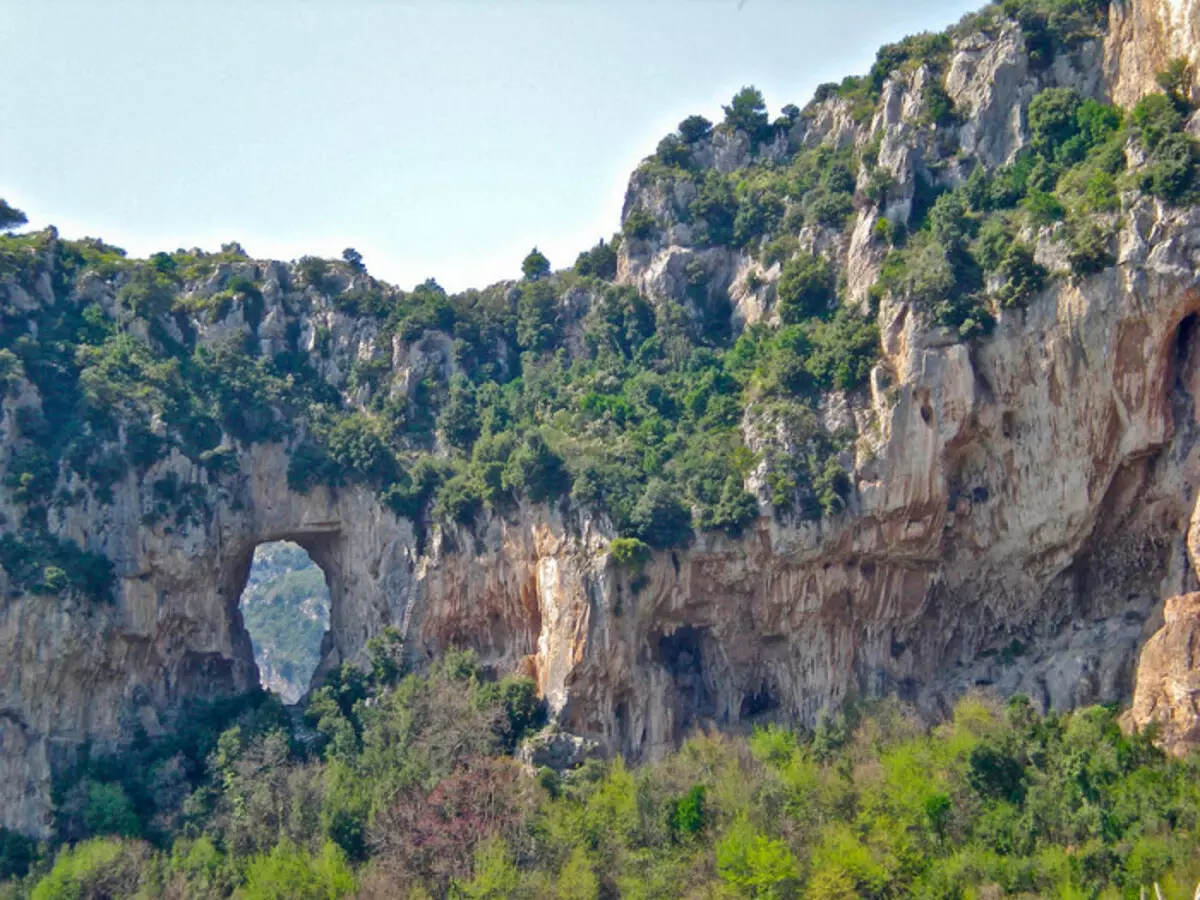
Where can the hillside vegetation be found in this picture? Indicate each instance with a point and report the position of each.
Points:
(408, 790)
(665, 418)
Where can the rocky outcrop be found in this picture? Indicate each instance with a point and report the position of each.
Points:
(1019, 510)
(1167, 695)
(1144, 36)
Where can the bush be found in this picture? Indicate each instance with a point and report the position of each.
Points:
(1171, 173)
(660, 517)
(829, 209)
(754, 863)
(806, 288)
(459, 419)
(673, 152)
(1089, 248)
(1023, 277)
(17, 854)
(687, 813)
(1176, 81)
(639, 224)
(714, 209)
(109, 811)
(630, 552)
(600, 261)
(1153, 118)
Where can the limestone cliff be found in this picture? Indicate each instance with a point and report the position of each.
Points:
(1019, 507)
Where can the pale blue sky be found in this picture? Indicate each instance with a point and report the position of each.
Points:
(441, 139)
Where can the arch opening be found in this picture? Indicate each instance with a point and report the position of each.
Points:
(285, 609)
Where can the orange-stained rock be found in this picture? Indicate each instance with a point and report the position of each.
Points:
(1168, 679)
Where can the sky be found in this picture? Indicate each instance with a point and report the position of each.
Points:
(441, 139)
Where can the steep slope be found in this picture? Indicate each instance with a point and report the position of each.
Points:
(924, 444)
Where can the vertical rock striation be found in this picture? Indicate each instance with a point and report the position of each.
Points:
(1019, 510)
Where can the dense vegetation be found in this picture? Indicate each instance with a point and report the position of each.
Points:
(569, 389)
(566, 387)
(406, 789)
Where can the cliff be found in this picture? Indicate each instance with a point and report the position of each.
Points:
(1017, 500)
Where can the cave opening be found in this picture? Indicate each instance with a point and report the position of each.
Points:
(285, 609)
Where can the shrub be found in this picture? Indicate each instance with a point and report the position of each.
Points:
(627, 551)
(1176, 81)
(714, 209)
(1089, 248)
(1153, 118)
(639, 224)
(600, 261)
(754, 863)
(1052, 121)
(1023, 277)
(688, 813)
(1171, 172)
(459, 419)
(17, 854)
(458, 500)
(672, 151)
(806, 288)
(1043, 208)
(829, 209)
(843, 350)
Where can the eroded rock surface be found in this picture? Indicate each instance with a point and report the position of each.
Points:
(1018, 512)
(1168, 679)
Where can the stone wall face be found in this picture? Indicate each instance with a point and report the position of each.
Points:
(1022, 506)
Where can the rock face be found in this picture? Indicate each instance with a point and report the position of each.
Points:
(1021, 504)
(1168, 679)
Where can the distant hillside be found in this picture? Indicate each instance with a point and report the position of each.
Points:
(286, 610)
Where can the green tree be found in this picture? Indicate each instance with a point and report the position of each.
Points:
(10, 217)
(660, 517)
(600, 261)
(537, 315)
(353, 259)
(459, 419)
(695, 128)
(290, 873)
(747, 112)
(536, 471)
(577, 880)
(535, 265)
(100, 868)
(754, 863)
(496, 876)
(109, 811)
